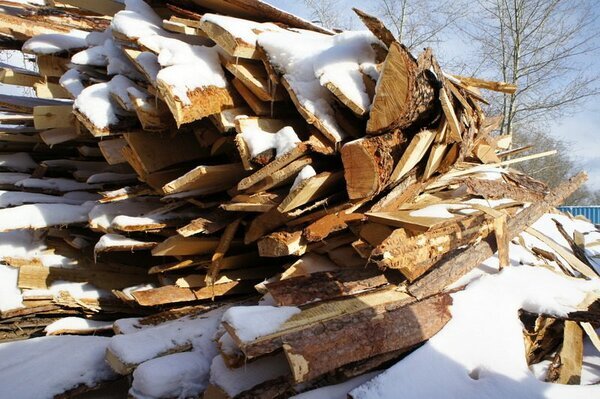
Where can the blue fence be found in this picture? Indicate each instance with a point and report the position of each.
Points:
(590, 212)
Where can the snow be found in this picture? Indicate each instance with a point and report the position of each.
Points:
(259, 141)
(10, 295)
(185, 67)
(14, 198)
(56, 184)
(71, 81)
(317, 56)
(56, 365)
(108, 241)
(94, 56)
(480, 353)
(149, 343)
(17, 162)
(341, 65)
(238, 380)
(76, 325)
(181, 375)
(240, 28)
(97, 104)
(37, 216)
(52, 43)
(119, 85)
(8, 178)
(20, 244)
(137, 20)
(77, 290)
(111, 177)
(128, 325)
(306, 173)
(111, 56)
(101, 216)
(338, 391)
(251, 322)
(149, 63)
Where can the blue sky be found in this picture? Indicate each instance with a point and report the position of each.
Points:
(581, 129)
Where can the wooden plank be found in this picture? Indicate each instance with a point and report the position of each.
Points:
(311, 189)
(52, 66)
(26, 104)
(159, 151)
(11, 75)
(301, 290)
(173, 294)
(208, 179)
(376, 27)
(180, 246)
(112, 150)
(258, 107)
(416, 150)
(104, 7)
(282, 243)
(273, 167)
(404, 219)
(203, 102)
(37, 276)
(50, 90)
(53, 116)
(453, 123)
(502, 87)
(254, 76)
(571, 259)
(567, 363)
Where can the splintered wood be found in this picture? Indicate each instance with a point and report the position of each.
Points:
(185, 157)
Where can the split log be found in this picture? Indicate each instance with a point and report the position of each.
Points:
(313, 318)
(405, 94)
(369, 163)
(361, 335)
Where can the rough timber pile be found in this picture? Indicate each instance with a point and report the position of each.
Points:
(270, 208)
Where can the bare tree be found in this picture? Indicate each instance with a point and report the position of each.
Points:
(325, 12)
(543, 46)
(418, 23)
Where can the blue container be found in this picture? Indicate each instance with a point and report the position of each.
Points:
(590, 212)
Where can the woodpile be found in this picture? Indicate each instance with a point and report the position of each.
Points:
(189, 157)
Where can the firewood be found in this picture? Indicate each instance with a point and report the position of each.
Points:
(352, 337)
(404, 93)
(311, 319)
(301, 290)
(369, 162)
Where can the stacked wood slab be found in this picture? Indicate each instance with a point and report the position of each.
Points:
(182, 160)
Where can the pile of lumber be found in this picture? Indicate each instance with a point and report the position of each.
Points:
(304, 197)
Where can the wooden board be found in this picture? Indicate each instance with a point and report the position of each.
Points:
(53, 116)
(158, 151)
(207, 179)
(311, 189)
